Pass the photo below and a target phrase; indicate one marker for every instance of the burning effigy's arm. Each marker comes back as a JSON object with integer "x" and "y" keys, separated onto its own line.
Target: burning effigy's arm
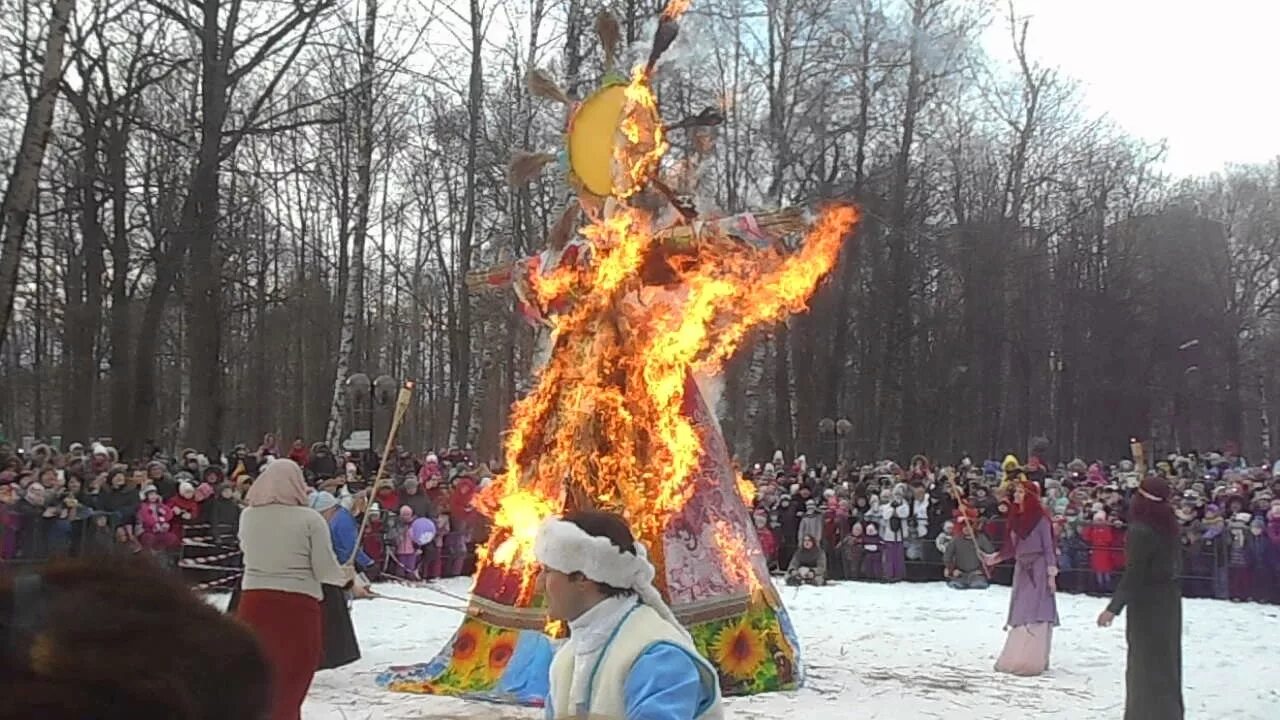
{"x": 760, "y": 231}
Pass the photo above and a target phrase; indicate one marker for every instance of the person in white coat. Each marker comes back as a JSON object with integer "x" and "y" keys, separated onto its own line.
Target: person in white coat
{"x": 627, "y": 657}
{"x": 894, "y": 513}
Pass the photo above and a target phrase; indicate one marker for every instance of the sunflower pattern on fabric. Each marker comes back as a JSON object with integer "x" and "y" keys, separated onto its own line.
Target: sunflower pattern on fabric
{"x": 751, "y": 652}
{"x": 479, "y": 655}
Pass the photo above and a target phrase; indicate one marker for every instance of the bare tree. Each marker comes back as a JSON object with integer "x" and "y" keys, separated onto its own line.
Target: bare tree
{"x": 20, "y": 192}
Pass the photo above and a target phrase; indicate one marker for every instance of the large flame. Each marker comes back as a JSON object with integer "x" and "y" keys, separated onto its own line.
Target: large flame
{"x": 606, "y": 425}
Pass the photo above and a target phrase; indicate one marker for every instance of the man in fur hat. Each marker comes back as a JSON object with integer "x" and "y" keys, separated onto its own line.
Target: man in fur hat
{"x": 627, "y": 656}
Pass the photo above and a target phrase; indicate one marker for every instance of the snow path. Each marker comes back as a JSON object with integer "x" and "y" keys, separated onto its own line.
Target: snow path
{"x": 892, "y": 652}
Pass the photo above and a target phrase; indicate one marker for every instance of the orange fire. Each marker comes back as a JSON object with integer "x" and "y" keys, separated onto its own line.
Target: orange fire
{"x": 734, "y": 556}
{"x": 675, "y": 8}
{"x": 606, "y": 426}
{"x": 747, "y": 490}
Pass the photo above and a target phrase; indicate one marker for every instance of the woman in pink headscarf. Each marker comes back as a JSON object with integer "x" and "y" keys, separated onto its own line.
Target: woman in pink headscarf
{"x": 287, "y": 558}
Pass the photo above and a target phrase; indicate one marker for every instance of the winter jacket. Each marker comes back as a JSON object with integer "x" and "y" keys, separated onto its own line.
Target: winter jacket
{"x": 768, "y": 545}
{"x": 155, "y": 518}
{"x": 1075, "y": 553}
{"x": 887, "y": 513}
{"x": 122, "y": 504}
{"x": 789, "y": 520}
{"x": 223, "y": 516}
{"x": 343, "y": 529}
{"x": 323, "y": 465}
{"x": 419, "y": 503}
{"x": 34, "y": 531}
{"x": 184, "y": 511}
{"x": 1104, "y": 541}
{"x": 810, "y": 526}
{"x": 300, "y": 456}
{"x": 919, "y": 515}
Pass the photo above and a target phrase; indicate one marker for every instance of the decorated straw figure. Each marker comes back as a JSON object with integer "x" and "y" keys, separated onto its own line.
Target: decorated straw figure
{"x": 640, "y": 306}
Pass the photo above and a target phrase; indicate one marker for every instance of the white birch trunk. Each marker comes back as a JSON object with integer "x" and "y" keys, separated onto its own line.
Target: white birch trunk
{"x": 352, "y": 308}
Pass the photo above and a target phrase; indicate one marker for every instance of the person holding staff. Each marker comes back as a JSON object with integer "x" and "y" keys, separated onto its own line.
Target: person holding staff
{"x": 1033, "y": 609}
{"x": 1150, "y": 589}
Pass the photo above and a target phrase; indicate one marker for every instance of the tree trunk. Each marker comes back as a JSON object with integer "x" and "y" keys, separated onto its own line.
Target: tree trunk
{"x": 20, "y": 193}
{"x": 84, "y": 296}
{"x": 353, "y": 305}
{"x": 121, "y": 370}
{"x": 204, "y": 279}
{"x": 461, "y": 342}
{"x": 897, "y": 400}
{"x": 784, "y": 432}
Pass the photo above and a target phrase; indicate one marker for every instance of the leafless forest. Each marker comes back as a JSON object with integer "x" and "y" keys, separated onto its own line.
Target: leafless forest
{"x": 214, "y": 210}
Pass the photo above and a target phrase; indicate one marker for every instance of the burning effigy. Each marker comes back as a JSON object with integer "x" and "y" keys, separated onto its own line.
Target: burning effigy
{"x": 639, "y": 304}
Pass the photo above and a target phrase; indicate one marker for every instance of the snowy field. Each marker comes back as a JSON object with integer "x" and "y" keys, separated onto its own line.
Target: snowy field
{"x": 877, "y": 651}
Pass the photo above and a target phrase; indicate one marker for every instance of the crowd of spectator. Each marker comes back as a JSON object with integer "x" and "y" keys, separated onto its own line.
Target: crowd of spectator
{"x": 887, "y": 523}
{"x": 185, "y": 511}
{"x": 880, "y": 522}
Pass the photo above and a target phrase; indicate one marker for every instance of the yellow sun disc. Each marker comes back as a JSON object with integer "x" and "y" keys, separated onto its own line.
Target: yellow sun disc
{"x": 591, "y": 138}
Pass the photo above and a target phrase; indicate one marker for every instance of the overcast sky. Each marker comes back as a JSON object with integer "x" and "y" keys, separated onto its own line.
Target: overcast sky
{"x": 1203, "y": 75}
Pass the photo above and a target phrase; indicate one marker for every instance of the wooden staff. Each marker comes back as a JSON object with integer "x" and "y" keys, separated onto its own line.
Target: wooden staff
{"x": 402, "y": 405}
{"x": 960, "y": 505}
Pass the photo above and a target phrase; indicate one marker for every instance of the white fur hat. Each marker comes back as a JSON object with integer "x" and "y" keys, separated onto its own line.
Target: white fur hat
{"x": 567, "y": 548}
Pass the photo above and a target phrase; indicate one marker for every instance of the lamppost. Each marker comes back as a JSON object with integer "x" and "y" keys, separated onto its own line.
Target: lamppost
{"x": 369, "y": 410}
{"x": 827, "y": 430}
{"x": 843, "y": 428}
{"x": 359, "y": 414}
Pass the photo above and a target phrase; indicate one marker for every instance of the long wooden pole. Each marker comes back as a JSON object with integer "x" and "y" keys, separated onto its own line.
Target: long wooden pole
{"x": 402, "y": 405}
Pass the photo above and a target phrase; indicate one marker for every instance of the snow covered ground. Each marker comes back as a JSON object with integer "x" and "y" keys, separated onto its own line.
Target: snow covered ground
{"x": 878, "y": 651}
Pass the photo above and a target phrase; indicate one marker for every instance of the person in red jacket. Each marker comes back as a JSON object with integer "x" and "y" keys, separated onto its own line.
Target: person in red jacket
{"x": 156, "y": 519}
{"x": 1104, "y": 550}
{"x": 299, "y": 453}
{"x": 768, "y": 541}
{"x": 185, "y": 506}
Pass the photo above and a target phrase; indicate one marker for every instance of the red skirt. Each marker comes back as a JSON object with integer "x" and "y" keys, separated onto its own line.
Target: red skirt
{"x": 289, "y": 630}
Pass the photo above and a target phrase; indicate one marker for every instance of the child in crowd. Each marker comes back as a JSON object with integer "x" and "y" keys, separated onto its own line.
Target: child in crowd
{"x": 407, "y": 553}
{"x": 1103, "y": 541}
{"x": 1239, "y": 571}
{"x": 851, "y": 551}
{"x": 157, "y": 521}
{"x": 872, "y": 552}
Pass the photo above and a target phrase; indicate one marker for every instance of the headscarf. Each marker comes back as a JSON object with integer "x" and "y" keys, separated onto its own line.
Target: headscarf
{"x": 1023, "y": 518}
{"x": 280, "y": 483}
{"x": 1151, "y": 507}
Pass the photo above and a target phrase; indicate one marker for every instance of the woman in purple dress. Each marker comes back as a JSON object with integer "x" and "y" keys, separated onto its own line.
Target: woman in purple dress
{"x": 1033, "y": 612}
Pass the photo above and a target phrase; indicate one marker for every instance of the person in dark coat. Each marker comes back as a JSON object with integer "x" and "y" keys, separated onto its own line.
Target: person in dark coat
{"x": 1149, "y": 587}
{"x": 119, "y": 500}
{"x": 322, "y": 464}
{"x": 224, "y": 516}
{"x": 417, "y": 500}
{"x": 38, "y": 520}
